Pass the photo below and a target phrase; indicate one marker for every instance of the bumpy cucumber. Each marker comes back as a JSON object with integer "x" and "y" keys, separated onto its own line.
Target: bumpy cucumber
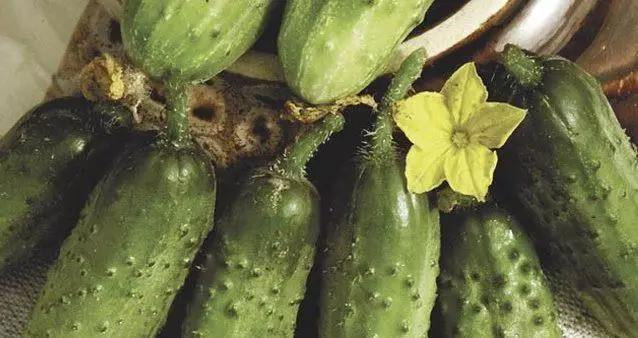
{"x": 382, "y": 247}
{"x": 255, "y": 274}
{"x": 49, "y": 162}
{"x": 334, "y": 48}
{"x": 121, "y": 267}
{"x": 573, "y": 169}
{"x": 191, "y": 41}
{"x": 491, "y": 282}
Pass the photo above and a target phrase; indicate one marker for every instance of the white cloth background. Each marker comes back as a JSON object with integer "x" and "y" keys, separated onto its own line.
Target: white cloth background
{"x": 33, "y": 38}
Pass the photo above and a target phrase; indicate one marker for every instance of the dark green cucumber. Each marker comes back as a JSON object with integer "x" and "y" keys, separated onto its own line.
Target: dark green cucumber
{"x": 49, "y": 162}
{"x": 491, "y": 282}
{"x": 120, "y": 269}
{"x": 382, "y": 247}
{"x": 254, "y": 277}
{"x": 574, "y": 171}
{"x": 330, "y": 49}
{"x": 191, "y": 41}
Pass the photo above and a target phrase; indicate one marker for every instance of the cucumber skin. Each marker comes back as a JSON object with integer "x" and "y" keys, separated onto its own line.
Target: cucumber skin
{"x": 191, "y": 41}
{"x": 580, "y": 189}
{"x": 330, "y": 49}
{"x": 49, "y": 162}
{"x": 491, "y": 282}
{"x": 381, "y": 256}
{"x": 254, "y": 277}
{"x": 120, "y": 269}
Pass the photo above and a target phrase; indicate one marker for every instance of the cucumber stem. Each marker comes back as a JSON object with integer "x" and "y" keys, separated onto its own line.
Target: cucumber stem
{"x": 293, "y": 161}
{"x": 177, "y": 113}
{"x": 409, "y": 71}
{"x": 524, "y": 67}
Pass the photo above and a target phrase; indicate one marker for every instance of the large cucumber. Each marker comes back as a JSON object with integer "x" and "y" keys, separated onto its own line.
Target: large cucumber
{"x": 330, "y": 49}
{"x": 255, "y": 274}
{"x": 574, "y": 171}
{"x": 120, "y": 269}
{"x": 49, "y": 162}
{"x": 191, "y": 41}
{"x": 491, "y": 282}
{"x": 382, "y": 250}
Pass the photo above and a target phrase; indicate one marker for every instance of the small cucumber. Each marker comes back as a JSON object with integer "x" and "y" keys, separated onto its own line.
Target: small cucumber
{"x": 49, "y": 162}
{"x": 120, "y": 269}
{"x": 382, "y": 247}
{"x": 254, "y": 277}
{"x": 330, "y": 49}
{"x": 191, "y": 41}
{"x": 491, "y": 282}
{"x": 574, "y": 171}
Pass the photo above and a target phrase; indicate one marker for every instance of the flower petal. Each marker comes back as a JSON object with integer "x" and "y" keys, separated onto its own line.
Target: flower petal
{"x": 494, "y": 123}
{"x": 424, "y": 167}
{"x": 464, "y": 92}
{"x": 423, "y": 118}
{"x": 470, "y": 170}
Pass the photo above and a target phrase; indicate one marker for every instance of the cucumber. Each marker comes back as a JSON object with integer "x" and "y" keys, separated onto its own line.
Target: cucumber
{"x": 49, "y": 162}
{"x": 382, "y": 245}
{"x": 573, "y": 170}
{"x": 254, "y": 277}
{"x": 491, "y": 282}
{"x": 191, "y": 41}
{"x": 122, "y": 265}
{"x": 330, "y": 49}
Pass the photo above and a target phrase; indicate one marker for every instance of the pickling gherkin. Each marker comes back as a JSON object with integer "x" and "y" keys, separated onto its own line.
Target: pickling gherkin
{"x": 49, "y": 162}
{"x": 383, "y": 242}
{"x": 574, "y": 171}
{"x": 191, "y": 41}
{"x": 120, "y": 269}
{"x": 330, "y": 49}
{"x": 254, "y": 277}
{"x": 491, "y": 282}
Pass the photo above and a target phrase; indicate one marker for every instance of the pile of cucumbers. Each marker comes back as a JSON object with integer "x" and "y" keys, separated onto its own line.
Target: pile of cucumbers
{"x": 130, "y": 210}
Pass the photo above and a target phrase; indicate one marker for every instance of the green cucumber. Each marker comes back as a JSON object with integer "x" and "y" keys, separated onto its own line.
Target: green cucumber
{"x": 256, "y": 268}
{"x": 330, "y": 49}
{"x": 122, "y": 265}
{"x": 382, "y": 246}
{"x": 491, "y": 282}
{"x": 191, "y": 41}
{"x": 574, "y": 171}
{"x": 49, "y": 162}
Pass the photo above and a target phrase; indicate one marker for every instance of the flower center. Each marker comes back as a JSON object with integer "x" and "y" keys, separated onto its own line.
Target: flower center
{"x": 460, "y": 139}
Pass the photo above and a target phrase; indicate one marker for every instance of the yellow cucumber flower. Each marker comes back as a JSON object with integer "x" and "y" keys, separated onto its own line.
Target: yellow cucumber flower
{"x": 453, "y": 133}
